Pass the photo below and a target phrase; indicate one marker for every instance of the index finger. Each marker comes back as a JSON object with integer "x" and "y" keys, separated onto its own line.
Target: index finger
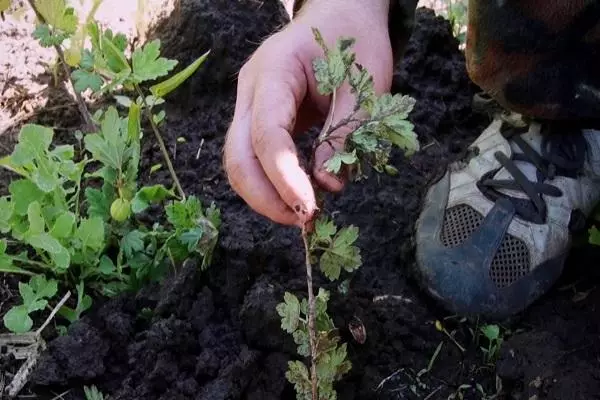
{"x": 277, "y": 97}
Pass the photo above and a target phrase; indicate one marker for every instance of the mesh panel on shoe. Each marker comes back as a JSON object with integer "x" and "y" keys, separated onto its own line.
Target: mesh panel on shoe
{"x": 512, "y": 258}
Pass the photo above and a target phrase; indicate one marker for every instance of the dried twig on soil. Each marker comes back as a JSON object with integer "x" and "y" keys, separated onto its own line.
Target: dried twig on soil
{"x": 35, "y": 345}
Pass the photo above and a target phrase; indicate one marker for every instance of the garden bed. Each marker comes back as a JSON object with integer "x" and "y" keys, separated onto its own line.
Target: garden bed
{"x": 216, "y": 334}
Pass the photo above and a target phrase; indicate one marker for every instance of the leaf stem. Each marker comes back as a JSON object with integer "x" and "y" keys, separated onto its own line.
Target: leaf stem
{"x": 161, "y": 144}
{"x": 31, "y": 262}
{"x": 83, "y": 110}
{"x": 311, "y": 316}
{"x": 326, "y": 129}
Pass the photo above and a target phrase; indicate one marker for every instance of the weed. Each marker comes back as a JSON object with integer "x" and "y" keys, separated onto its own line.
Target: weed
{"x": 92, "y": 393}
{"x": 369, "y": 145}
{"x": 456, "y": 13}
{"x": 74, "y": 216}
{"x": 495, "y": 340}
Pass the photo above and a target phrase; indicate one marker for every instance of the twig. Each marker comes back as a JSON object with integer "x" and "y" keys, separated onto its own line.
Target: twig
{"x": 161, "y": 144}
{"x": 83, "y": 110}
{"x": 199, "y": 149}
{"x": 53, "y": 313}
{"x": 61, "y": 396}
{"x": 430, "y": 395}
{"x": 22, "y": 375}
{"x": 311, "y": 316}
{"x": 385, "y": 380}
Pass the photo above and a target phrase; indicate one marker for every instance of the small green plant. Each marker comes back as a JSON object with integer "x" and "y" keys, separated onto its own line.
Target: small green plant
{"x": 73, "y": 216}
{"x": 494, "y": 339}
{"x": 34, "y": 296}
{"x": 456, "y": 13}
{"x": 92, "y": 393}
{"x": 378, "y": 123}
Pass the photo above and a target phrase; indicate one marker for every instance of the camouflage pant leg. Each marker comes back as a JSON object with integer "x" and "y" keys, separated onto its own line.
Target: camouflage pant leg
{"x": 540, "y": 58}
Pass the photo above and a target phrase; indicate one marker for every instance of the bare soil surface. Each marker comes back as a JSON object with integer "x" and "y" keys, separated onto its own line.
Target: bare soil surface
{"x": 216, "y": 335}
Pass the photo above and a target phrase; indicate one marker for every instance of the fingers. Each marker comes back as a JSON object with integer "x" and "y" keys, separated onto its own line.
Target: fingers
{"x": 276, "y": 100}
{"x": 245, "y": 174}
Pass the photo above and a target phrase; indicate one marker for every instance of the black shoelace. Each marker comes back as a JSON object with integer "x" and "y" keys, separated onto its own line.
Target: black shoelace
{"x": 562, "y": 154}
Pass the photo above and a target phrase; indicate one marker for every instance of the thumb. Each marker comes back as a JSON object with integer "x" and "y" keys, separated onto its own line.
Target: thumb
{"x": 342, "y": 106}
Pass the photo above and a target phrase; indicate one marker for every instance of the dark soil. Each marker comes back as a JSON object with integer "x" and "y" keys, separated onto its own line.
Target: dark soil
{"x": 216, "y": 335}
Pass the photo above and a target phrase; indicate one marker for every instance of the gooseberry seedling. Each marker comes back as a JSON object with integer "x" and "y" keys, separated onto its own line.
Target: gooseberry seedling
{"x": 377, "y": 124}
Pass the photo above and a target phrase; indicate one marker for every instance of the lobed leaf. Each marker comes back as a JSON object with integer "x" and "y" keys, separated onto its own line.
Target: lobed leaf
{"x": 289, "y": 311}
{"x": 147, "y": 63}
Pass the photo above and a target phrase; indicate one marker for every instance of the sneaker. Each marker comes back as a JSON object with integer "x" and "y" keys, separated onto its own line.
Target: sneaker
{"x": 496, "y": 228}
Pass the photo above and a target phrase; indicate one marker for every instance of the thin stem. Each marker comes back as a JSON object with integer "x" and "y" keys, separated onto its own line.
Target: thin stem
{"x": 311, "y": 316}
{"x": 53, "y": 313}
{"x": 83, "y": 110}
{"x": 30, "y": 262}
{"x": 161, "y": 144}
{"x": 325, "y": 132}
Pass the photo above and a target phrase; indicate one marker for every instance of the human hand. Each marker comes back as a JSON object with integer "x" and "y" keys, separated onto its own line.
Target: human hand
{"x": 277, "y": 98}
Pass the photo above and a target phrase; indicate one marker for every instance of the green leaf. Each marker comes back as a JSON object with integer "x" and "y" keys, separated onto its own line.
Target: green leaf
{"x": 594, "y": 236}
{"x": 42, "y": 287}
{"x": 402, "y": 135}
{"x": 333, "y": 70}
{"x": 297, "y": 374}
{"x": 64, "y": 152}
{"x": 158, "y": 118}
{"x": 92, "y": 393}
{"x": 133, "y": 123}
{"x": 98, "y": 203}
{"x": 341, "y": 254}
{"x": 47, "y": 37}
{"x": 362, "y": 86}
{"x": 289, "y": 311}
{"x": 115, "y": 58}
{"x": 132, "y": 243}
{"x": 6, "y": 262}
{"x": 184, "y": 214}
{"x": 324, "y": 230}
{"x": 31, "y": 154}
{"x": 109, "y": 145}
{"x": 364, "y": 140}
{"x": 155, "y": 168}
{"x": 147, "y": 63}
{"x": 34, "y": 216}
{"x": 106, "y": 266}
{"x": 57, "y": 14}
{"x": 83, "y": 80}
{"x": 90, "y": 233}
{"x": 334, "y": 164}
{"x": 4, "y": 5}
{"x": 214, "y": 215}
{"x": 399, "y": 106}
{"x": 87, "y": 60}
{"x": 302, "y": 339}
{"x": 167, "y": 86}
{"x": 148, "y": 195}
{"x": 23, "y": 193}
{"x": 63, "y": 226}
{"x": 43, "y": 241}
{"x": 191, "y": 238}
{"x": 34, "y": 141}
{"x": 492, "y": 332}
{"x": 17, "y": 320}
{"x": 6, "y": 212}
